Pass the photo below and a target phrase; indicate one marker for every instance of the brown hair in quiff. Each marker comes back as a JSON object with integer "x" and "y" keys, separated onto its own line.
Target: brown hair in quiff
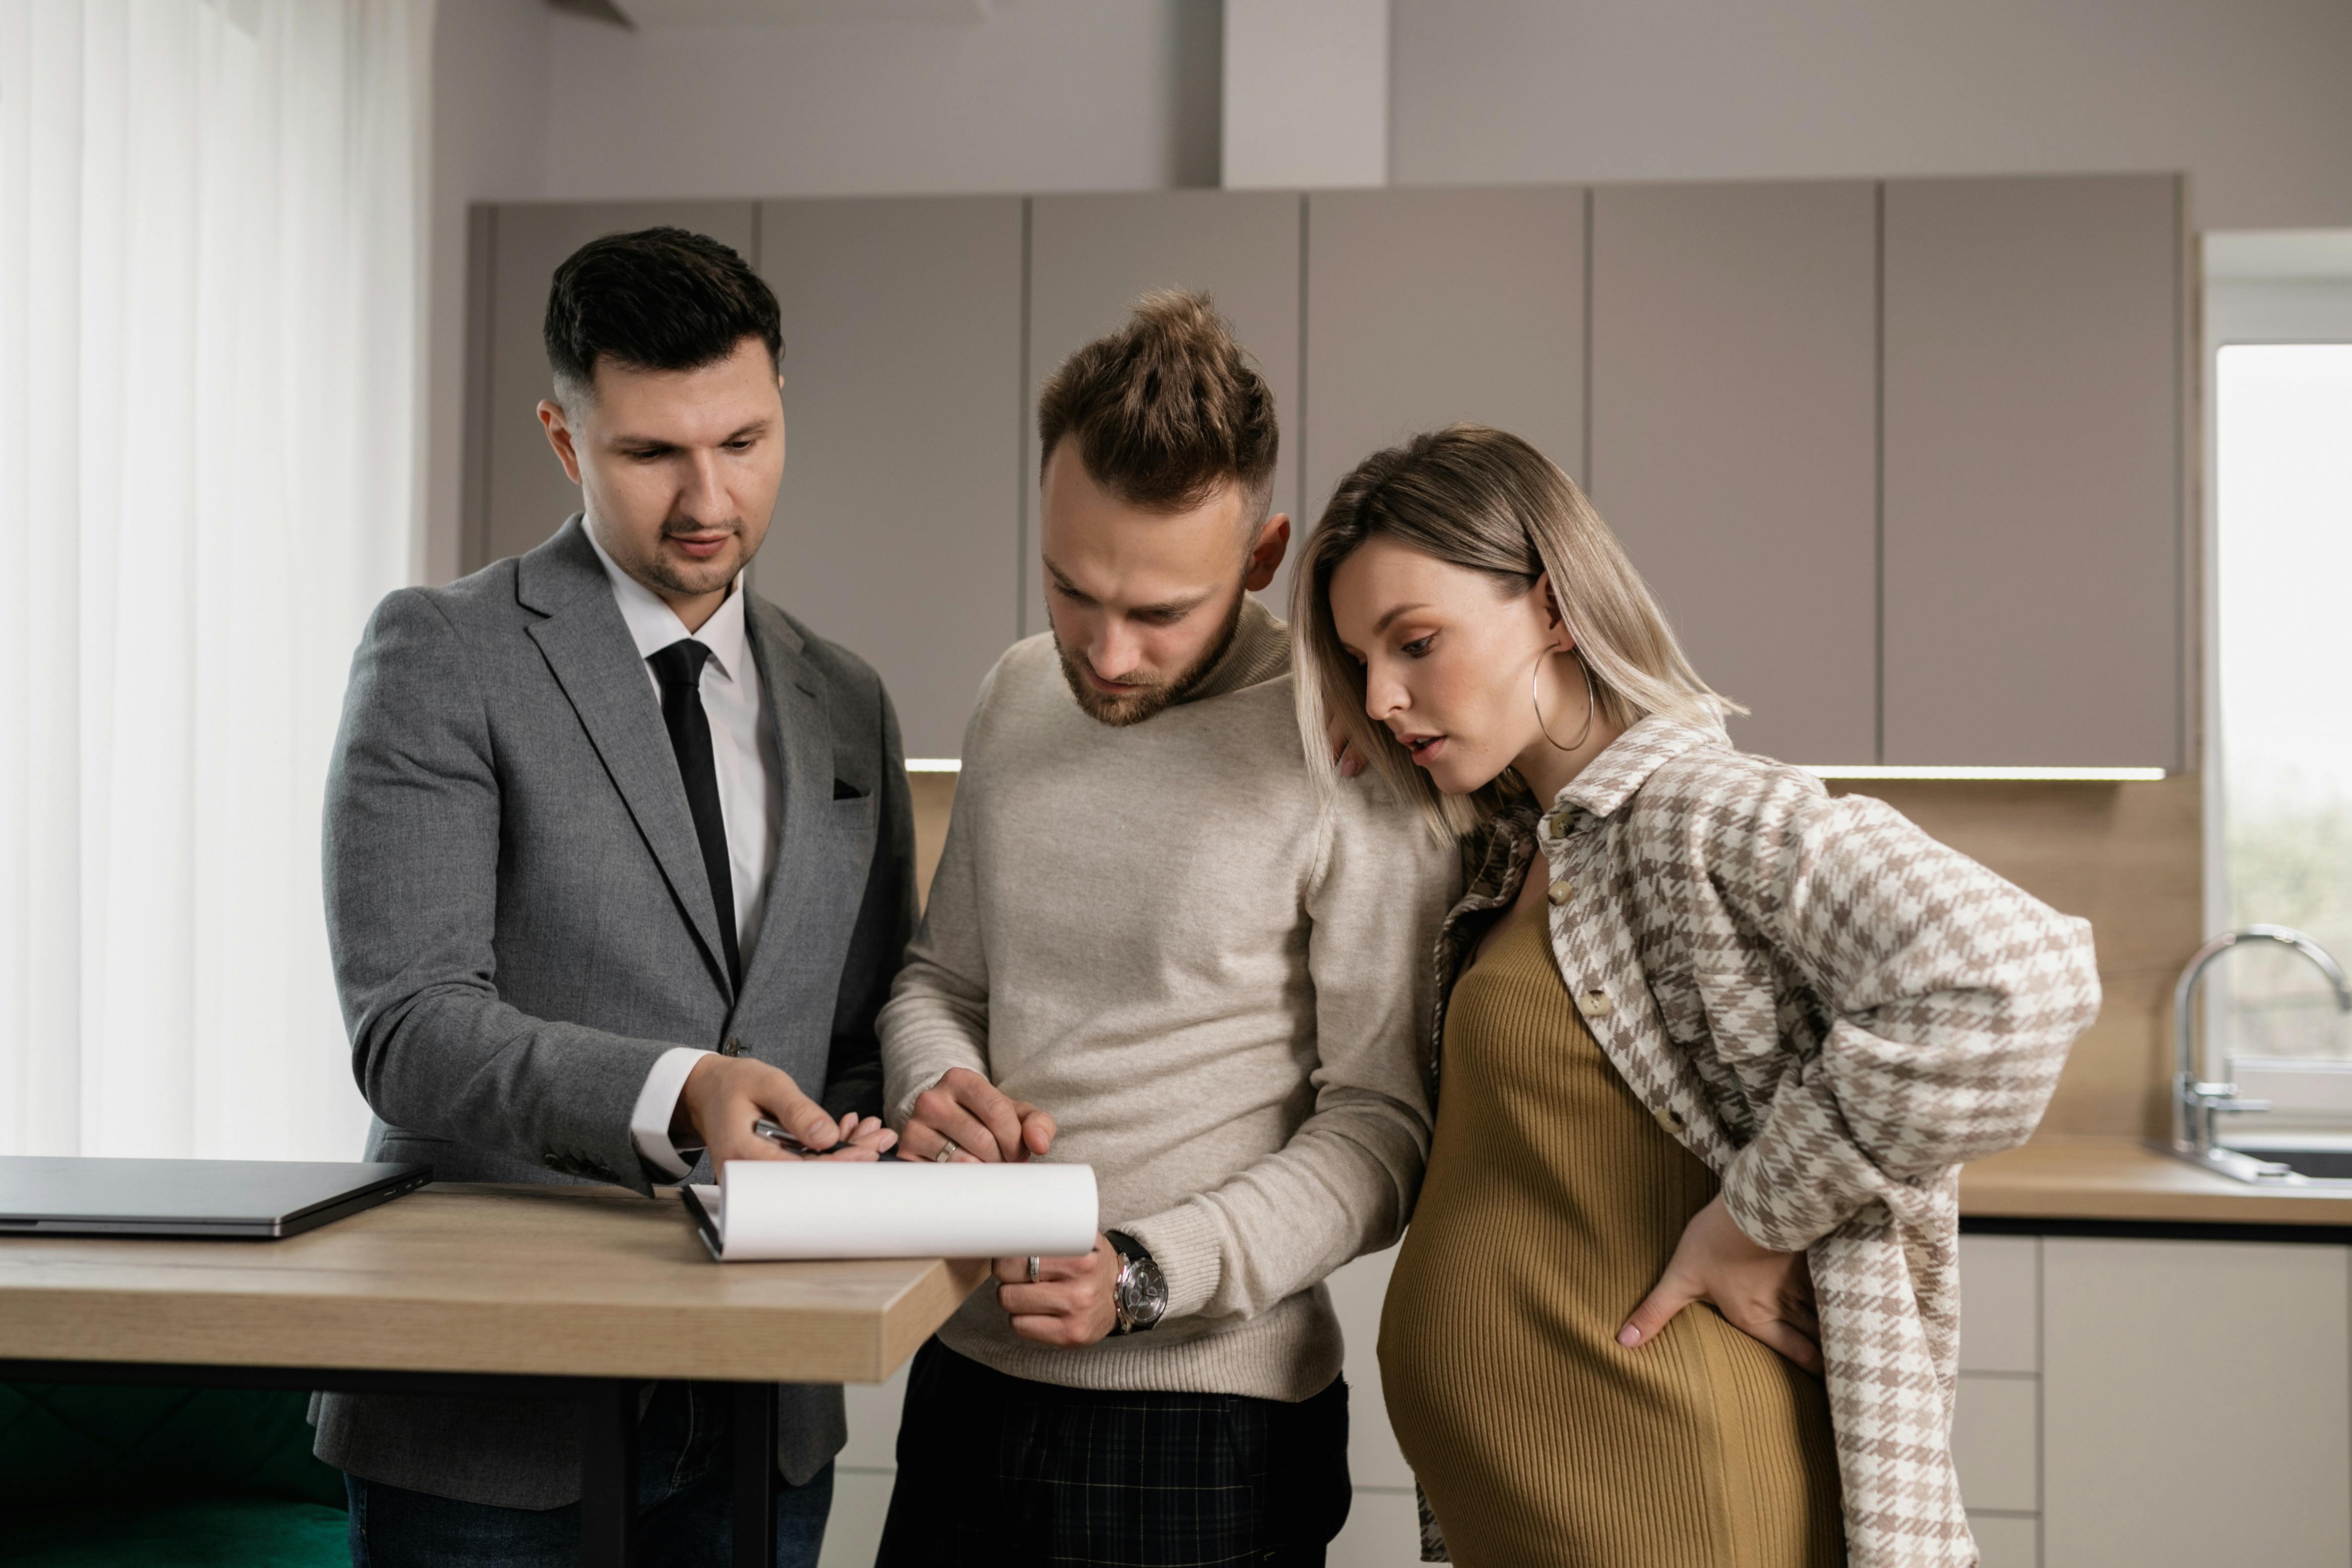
{"x": 1165, "y": 410}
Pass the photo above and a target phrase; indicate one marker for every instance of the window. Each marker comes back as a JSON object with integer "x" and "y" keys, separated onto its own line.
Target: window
{"x": 2282, "y": 585}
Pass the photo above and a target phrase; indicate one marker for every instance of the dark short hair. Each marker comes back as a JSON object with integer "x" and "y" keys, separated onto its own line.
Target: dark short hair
{"x": 658, "y": 300}
{"x": 1165, "y": 409}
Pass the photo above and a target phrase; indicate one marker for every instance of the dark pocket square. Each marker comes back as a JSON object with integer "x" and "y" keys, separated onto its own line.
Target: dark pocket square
{"x": 843, "y": 790}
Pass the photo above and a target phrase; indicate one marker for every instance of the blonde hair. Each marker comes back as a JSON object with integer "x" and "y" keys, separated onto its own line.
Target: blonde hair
{"x": 1484, "y": 500}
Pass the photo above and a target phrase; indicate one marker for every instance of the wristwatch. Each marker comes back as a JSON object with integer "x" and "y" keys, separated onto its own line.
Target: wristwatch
{"x": 1142, "y": 1294}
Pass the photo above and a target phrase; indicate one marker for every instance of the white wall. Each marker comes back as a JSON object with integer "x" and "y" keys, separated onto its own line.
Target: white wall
{"x": 2249, "y": 96}
{"x": 1305, "y": 93}
{"x": 2252, "y": 97}
{"x": 1043, "y": 95}
{"x": 490, "y": 80}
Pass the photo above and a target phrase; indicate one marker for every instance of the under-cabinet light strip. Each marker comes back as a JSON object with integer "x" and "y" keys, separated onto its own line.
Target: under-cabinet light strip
{"x": 935, "y": 765}
{"x": 2027, "y": 775}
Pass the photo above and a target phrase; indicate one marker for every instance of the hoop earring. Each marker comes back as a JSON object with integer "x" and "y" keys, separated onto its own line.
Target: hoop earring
{"x": 1535, "y": 675}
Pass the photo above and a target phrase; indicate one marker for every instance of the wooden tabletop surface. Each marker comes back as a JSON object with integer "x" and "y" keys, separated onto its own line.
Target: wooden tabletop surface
{"x": 564, "y": 1282}
{"x": 2123, "y": 1179}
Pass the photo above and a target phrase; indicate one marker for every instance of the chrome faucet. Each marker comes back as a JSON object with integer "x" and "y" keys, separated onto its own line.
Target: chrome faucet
{"x": 2195, "y": 1101}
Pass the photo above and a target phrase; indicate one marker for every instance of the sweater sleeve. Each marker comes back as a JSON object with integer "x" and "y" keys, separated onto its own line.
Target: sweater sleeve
{"x": 1345, "y": 1182}
{"x": 1953, "y": 998}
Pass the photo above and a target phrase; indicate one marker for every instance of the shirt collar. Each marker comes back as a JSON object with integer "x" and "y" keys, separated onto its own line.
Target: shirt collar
{"x": 1625, "y": 764}
{"x": 654, "y": 625}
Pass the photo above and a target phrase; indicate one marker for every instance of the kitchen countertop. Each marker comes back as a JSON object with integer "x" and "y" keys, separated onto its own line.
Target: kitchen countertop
{"x": 2124, "y": 1180}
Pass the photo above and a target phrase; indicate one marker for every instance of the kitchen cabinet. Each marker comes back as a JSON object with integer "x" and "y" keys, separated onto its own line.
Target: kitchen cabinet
{"x": 897, "y": 531}
{"x": 2033, "y": 515}
{"x": 1428, "y": 307}
{"x": 516, "y": 491}
{"x": 2197, "y": 1406}
{"x": 1091, "y": 258}
{"x": 1735, "y": 387}
{"x": 1902, "y": 460}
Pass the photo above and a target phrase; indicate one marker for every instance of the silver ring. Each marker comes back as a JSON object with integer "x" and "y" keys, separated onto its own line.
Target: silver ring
{"x": 1033, "y": 1269}
{"x": 947, "y": 1152}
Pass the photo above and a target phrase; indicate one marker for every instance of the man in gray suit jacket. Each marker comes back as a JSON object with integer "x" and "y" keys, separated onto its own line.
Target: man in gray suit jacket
{"x": 619, "y": 858}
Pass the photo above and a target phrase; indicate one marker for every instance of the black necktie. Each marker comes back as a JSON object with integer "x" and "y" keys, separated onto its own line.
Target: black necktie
{"x": 678, "y": 668}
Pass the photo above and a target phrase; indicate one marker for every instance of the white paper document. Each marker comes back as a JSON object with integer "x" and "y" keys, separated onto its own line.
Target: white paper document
{"x": 767, "y": 1210}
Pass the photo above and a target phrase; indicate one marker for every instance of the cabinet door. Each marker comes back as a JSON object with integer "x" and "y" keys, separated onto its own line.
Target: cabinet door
{"x": 523, "y": 496}
{"x": 897, "y": 531}
{"x": 1428, "y": 307}
{"x": 1734, "y": 431}
{"x": 2033, "y": 472}
{"x": 1092, "y": 258}
{"x": 2195, "y": 1400}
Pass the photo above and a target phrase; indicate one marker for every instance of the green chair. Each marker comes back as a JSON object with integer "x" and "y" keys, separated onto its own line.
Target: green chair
{"x": 94, "y": 1475}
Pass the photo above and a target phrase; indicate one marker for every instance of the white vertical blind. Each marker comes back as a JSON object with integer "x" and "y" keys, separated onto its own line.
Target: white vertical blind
{"x": 210, "y": 260}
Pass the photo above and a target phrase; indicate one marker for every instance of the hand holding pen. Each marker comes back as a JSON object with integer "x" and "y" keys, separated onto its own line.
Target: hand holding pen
{"x": 725, "y": 1095}
{"x": 861, "y": 1138}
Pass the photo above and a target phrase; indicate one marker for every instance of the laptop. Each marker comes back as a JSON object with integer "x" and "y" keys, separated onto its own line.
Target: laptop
{"x": 42, "y": 1196}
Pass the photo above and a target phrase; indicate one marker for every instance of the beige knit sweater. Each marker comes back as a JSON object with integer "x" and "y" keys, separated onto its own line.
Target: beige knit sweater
{"x": 1218, "y": 986}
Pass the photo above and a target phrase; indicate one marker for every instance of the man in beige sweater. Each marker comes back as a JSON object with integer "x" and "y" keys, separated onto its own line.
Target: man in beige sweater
{"x": 1153, "y": 946}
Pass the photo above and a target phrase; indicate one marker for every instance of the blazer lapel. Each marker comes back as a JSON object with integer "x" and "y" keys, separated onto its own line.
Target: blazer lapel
{"x": 798, "y": 708}
{"x": 587, "y": 645}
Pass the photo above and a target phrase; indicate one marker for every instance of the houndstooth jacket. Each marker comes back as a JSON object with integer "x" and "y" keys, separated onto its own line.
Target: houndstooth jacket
{"x": 1833, "y": 1011}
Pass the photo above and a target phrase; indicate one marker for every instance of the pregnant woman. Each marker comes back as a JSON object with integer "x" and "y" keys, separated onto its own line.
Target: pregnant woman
{"x": 1680, "y": 1287}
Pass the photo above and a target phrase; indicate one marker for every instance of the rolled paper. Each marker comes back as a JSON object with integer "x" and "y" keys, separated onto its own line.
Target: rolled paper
{"x": 768, "y": 1210}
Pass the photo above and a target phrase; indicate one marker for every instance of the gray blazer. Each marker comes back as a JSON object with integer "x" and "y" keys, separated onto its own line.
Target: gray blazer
{"x": 521, "y": 926}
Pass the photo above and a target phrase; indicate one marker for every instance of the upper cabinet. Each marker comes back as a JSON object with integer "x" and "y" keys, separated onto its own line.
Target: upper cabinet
{"x": 2034, "y": 550}
{"x": 1092, "y": 258}
{"x": 1734, "y": 442}
{"x": 1425, "y": 308}
{"x": 897, "y": 532}
{"x": 1903, "y": 462}
{"x": 516, "y": 493}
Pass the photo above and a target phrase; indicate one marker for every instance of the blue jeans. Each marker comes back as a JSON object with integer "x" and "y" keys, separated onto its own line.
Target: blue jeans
{"x": 685, "y": 1506}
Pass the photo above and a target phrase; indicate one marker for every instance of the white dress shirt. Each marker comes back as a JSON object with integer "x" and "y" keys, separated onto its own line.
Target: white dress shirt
{"x": 751, "y": 804}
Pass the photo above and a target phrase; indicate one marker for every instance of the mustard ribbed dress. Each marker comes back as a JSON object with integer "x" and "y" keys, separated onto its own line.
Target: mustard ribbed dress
{"x": 1552, "y": 1203}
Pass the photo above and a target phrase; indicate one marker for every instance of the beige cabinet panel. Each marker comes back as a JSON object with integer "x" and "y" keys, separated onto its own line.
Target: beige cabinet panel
{"x": 1358, "y": 1291}
{"x": 873, "y": 1410}
{"x": 521, "y": 495}
{"x": 2000, "y": 1303}
{"x": 897, "y": 532}
{"x": 2033, "y": 471}
{"x": 2196, "y": 1403}
{"x": 1428, "y": 307}
{"x": 1734, "y": 422}
{"x": 861, "y": 1502}
{"x": 1091, "y": 258}
{"x": 1383, "y": 1528}
{"x": 2006, "y": 1540}
{"x": 1996, "y": 1442}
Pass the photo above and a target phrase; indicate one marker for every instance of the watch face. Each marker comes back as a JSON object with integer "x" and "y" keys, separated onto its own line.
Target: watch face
{"x": 1146, "y": 1290}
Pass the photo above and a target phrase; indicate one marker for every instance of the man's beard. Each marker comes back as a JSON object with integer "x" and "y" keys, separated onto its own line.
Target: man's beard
{"x": 1133, "y": 707}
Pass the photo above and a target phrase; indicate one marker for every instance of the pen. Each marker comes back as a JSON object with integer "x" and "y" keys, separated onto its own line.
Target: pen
{"x": 780, "y": 1137}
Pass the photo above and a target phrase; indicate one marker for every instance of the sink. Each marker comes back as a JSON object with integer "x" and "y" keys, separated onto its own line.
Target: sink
{"x": 2318, "y": 1165}
{"x": 2323, "y": 1167}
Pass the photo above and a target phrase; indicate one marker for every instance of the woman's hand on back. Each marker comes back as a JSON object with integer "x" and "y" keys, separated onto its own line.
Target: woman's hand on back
{"x": 1766, "y": 1295}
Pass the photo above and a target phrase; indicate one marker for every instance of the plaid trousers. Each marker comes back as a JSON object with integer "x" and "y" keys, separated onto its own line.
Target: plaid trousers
{"x": 1000, "y": 1470}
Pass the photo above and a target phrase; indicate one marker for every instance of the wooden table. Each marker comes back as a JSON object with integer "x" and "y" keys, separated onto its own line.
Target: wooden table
{"x": 581, "y": 1292}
